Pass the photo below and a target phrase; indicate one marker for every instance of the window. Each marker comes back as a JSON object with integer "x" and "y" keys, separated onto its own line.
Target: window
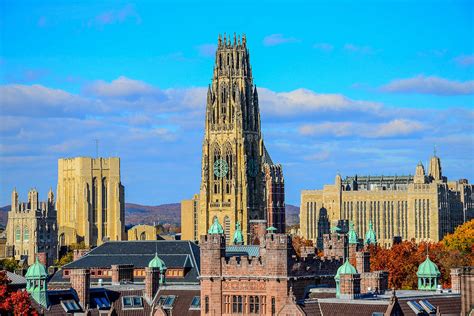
{"x": 206, "y": 304}
{"x": 196, "y": 303}
{"x": 254, "y": 304}
{"x": 237, "y": 304}
{"x": 273, "y": 306}
{"x": 102, "y": 302}
{"x": 26, "y": 234}
{"x": 70, "y": 306}
{"x": 18, "y": 233}
{"x": 129, "y": 302}
{"x": 169, "y": 301}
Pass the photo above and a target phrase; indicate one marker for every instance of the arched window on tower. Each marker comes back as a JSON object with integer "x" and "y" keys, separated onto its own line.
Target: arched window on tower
{"x": 26, "y": 233}
{"x": 18, "y": 233}
{"x": 229, "y": 161}
{"x": 143, "y": 236}
{"x": 217, "y": 156}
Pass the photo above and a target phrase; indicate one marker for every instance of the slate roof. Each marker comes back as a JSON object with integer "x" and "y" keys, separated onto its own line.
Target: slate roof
{"x": 183, "y": 301}
{"x": 175, "y": 254}
{"x": 449, "y": 304}
{"x": 242, "y": 250}
{"x": 16, "y": 278}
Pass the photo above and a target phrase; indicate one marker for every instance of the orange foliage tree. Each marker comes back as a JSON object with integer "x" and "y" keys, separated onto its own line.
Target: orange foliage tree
{"x": 14, "y": 303}
{"x": 298, "y": 242}
{"x": 402, "y": 260}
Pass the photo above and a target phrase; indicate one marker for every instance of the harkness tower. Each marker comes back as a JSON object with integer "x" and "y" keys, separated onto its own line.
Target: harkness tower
{"x": 239, "y": 182}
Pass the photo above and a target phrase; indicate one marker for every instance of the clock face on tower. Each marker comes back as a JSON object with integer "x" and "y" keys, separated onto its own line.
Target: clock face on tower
{"x": 252, "y": 166}
{"x": 220, "y": 168}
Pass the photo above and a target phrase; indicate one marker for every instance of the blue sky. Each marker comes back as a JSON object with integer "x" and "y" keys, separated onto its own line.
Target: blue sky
{"x": 355, "y": 87}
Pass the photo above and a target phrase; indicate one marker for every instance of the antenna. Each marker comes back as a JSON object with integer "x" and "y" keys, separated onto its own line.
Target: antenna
{"x": 96, "y": 147}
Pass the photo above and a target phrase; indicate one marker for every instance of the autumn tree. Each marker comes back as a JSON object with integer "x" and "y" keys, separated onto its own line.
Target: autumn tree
{"x": 462, "y": 239}
{"x": 69, "y": 256}
{"x": 298, "y": 242}
{"x": 14, "y": 303}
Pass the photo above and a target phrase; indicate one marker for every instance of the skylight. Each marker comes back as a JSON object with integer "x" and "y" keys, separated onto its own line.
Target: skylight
{"x": 70, "y": 306}
{"x": 129, "y": 302}
{"x": 196, "y": 303}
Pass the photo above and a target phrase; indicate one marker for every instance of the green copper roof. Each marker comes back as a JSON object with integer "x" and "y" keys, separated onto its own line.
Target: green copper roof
{"x": 428, "y": 269}
{"x": 370, "y": 235}
{"x": 238, "y": 238}
{"x": 156, "y": 262}
{"x": 271, "y": 229}
{"x": 353, "y": 239}
{"x": 346, "y": 268}
{"x": 36, "y": 270}
{"x": 215, "y": 228}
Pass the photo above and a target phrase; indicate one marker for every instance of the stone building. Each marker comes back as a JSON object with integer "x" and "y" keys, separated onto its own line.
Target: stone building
{"x": 32, "y": 228}
{"x": 90, "y": 205}
{"x": 425, "y": 207}
{"x": 153, "y": 293}
{"x": 239, "y": 182}
{"x": 261, "y": 279}
{"x": 143, "y": 232}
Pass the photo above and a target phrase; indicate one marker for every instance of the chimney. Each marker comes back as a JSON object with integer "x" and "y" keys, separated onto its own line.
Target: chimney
{"x": 78, "y": 253}
{"x": 122, "y": 273}
{"x": 456, "y": 280}
{"x": 363, "y": 261}
{"x": 152, "y": 282}
{"x": 349, "y": 286}
{"x": 80, "y": 282}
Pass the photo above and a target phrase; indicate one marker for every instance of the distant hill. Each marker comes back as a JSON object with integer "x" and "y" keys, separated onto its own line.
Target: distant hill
{"x": 143, "y": 214}
{"x": 164, "y": 213}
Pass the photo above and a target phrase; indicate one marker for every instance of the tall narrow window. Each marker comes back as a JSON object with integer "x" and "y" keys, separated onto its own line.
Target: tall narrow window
{"x": 26, "y": 233}
{"x": 273, "y": 306}
{"x": 206, "y": 304}
{"x": 95, "y": 194}
{"x": 18, "y": 233}
{"x": 227, "y": 228}
{"x": 104, "y": 207}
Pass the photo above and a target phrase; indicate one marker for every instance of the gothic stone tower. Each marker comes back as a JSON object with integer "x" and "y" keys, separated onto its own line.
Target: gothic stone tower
{"x": 233, "y": 154}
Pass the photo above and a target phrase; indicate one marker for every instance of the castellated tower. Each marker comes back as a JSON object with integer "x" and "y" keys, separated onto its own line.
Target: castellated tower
{"x": 233, "y": 180}
{"x": 90, "y": 204}
{"x": 32, "y": 228}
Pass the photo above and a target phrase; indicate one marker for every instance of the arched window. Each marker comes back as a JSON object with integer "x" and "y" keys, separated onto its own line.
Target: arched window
{"x": 26, "y": 234}
{"x": 217, "y": 156}
{"x": 17, "y": 233}
{"x": 227, "y": 227}
{"x": 143, "y": 236}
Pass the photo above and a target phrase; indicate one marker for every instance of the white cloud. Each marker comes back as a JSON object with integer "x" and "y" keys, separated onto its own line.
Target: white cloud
{"x": 38, "y": 100}
{"x": 465, "y": 60}
{"x": 393, "y": 128}
{"x": 120, "y": 88}
{"x": 324, "y": 47}
{"x": 278, "y": 39}
{"x": 303, "y": 101}
{"x": 364, "y": 50}
{"x": 429, "y": 85}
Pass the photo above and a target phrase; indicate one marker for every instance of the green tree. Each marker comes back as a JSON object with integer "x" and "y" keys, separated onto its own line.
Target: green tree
{"x": 69, "y": 256}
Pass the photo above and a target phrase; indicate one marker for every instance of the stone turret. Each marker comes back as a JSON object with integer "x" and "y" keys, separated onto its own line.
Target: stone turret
{"x": 420, "y": 176}
{"x": 435, "y": 173}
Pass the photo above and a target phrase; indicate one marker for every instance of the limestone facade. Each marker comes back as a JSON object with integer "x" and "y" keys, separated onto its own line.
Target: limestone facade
{"x": 237, "y": 171}
{"x": 425, "y": 207}
{"x": 143, "y": 232}
{"x": 32, "y": 228}
{"x": 90, "y": 203}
